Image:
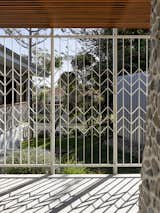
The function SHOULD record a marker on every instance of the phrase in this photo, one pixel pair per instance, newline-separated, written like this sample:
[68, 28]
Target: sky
[61, 46]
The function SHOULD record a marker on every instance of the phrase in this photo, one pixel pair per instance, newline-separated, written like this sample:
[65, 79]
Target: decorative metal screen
[132, 86]
[84, 112]
[73, 100]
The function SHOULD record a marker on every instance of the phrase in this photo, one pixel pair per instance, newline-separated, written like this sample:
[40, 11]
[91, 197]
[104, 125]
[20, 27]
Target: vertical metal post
[115, 169]
[5, 103]
[52, 144]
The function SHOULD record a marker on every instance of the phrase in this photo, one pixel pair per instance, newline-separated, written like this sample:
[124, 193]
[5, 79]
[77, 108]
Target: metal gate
[73, 100]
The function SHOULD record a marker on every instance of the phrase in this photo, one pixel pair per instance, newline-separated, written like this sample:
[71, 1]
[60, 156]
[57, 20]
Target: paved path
[69, 193]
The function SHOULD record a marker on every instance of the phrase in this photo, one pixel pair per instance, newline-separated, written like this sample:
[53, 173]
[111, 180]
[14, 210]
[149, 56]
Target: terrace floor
[69, 193]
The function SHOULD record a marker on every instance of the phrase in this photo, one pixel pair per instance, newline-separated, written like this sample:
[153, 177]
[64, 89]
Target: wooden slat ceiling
[75, 13]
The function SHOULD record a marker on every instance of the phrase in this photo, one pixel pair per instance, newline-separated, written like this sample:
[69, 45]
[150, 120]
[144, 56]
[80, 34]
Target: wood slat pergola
[75, 13]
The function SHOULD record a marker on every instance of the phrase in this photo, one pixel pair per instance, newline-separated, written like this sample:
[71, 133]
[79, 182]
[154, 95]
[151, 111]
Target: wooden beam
[75, 13]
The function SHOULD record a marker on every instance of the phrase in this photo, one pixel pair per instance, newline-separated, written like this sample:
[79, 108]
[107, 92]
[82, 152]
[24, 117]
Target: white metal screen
[75, 100]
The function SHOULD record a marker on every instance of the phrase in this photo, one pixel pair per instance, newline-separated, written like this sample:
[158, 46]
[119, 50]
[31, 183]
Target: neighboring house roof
[9, 61]
[132, 86]
[131, 105]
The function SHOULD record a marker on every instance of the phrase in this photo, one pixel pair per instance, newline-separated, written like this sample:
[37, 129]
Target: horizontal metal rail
[79, 36]
[70, 165]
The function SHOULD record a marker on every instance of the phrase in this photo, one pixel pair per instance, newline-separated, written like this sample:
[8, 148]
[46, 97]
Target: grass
[72, 148]
[81, 155]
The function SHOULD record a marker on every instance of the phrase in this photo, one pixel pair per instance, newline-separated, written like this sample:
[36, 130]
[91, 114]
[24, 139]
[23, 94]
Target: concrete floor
[69, 193]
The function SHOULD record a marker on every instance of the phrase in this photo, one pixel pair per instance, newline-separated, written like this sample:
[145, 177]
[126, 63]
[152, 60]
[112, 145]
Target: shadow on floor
[69, 193]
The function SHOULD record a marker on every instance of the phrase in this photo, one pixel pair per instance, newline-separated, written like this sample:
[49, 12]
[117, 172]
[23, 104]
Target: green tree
[43, 59]
[97, 63]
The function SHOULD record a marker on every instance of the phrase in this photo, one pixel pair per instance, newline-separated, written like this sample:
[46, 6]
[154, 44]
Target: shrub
[74, 170]
[28, 170]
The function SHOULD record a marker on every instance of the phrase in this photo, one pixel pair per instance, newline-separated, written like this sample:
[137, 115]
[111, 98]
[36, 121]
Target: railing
[87, 108]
